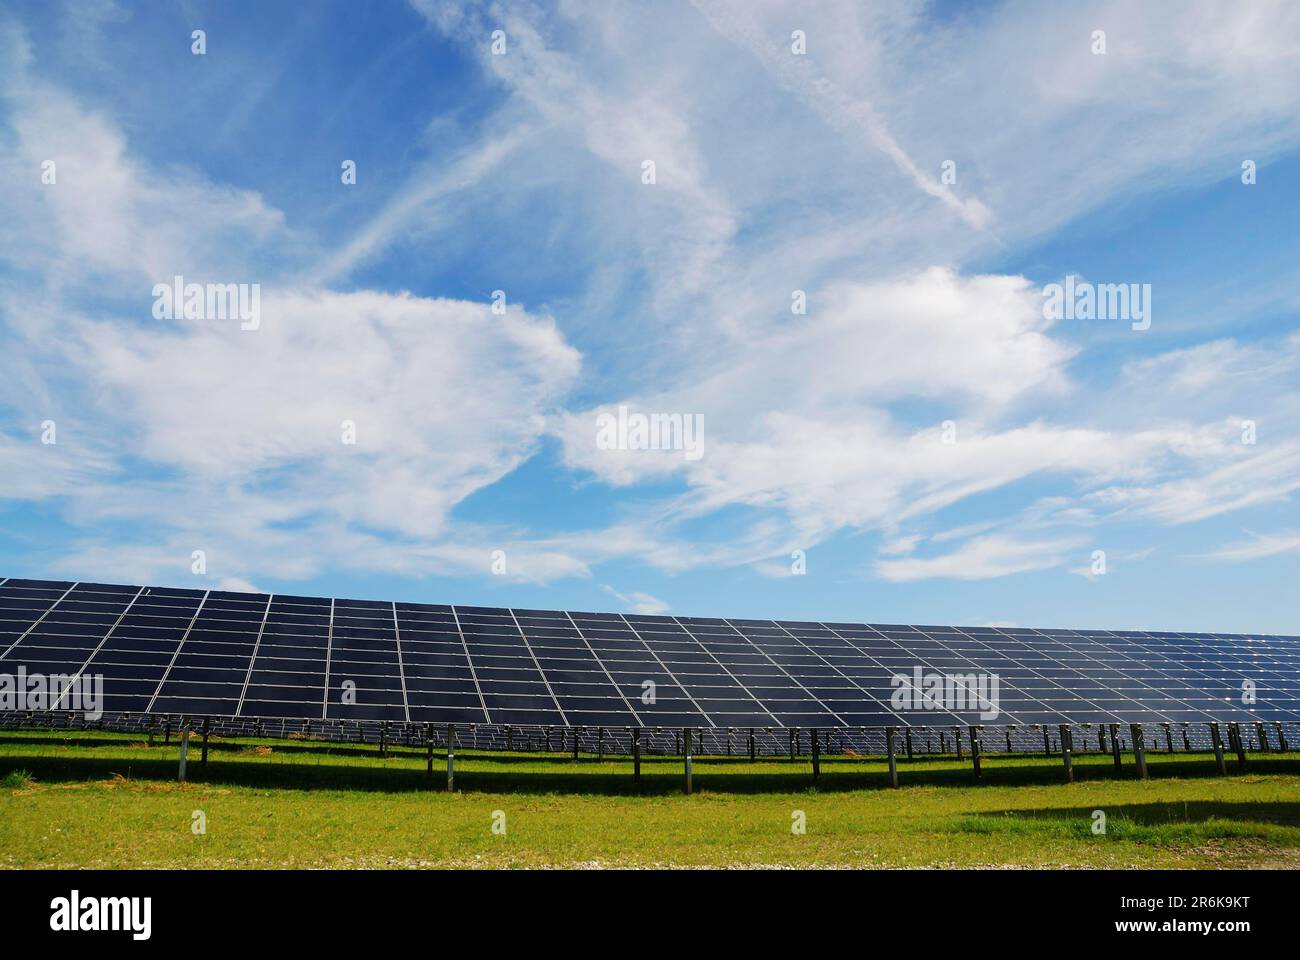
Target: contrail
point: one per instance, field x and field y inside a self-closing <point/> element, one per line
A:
<point x="850" y="117"/>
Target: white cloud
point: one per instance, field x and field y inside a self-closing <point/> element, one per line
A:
<point x="981" y="559"/>
<point x="433" y="183"/>
<point x="853" y="117"/>
<point x="901" y="545"/>
<point x="237" y="585"/>
<point x="232" y="438"/>
<point x="1257" y="546"/>
<point x="446" y="397"/>
<point x="108" y="213"/>
<point x="637" y="602"/>
<point x="773" y="176"/>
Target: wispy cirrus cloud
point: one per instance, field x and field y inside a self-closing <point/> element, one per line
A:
<point x="1257" y="546"/>
<point x="982" y="558"/>
<point x="779" y="176"/>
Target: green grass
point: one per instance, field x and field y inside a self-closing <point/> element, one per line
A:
<point x="103" y="800"/>
<point x="16" y="780"/>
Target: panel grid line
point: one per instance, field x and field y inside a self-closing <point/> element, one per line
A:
<point x="671" y="676"/>
<point x="37" y="622"/>
<point x="1166" y="719"/>
<point x="401" y="667"/>
<point x="788" y="674"/>
<point x="1060" y="665"/>
<point x="617" y="688"/>
<point x="801" y="643"/>
<point x="537" y="664"/>
<point x="177" y="652"/>
<point x="1038" y="701"/>
<point x="723" y="673"/>
<point x="941" y="714"/>
<point x="329" y="652"/>
<point x="99" y="646"/>
<point x="252" y="661"/>
<point x="1024" y="665"/>
<point x="487" y="717"/>
<point x="742" y="687"/>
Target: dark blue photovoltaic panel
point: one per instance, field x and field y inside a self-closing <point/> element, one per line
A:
<point x="223" y="654"/>
<point x="137" y="651"/>
<point x="206" y="671"/>
<point x="286" y="677"/>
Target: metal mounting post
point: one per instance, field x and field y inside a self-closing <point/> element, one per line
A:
<point x="451" y="757"/>
<point x="1235" y="733"/>
<point x="428" y="751"/>
<point x="185" y="749"/>
<point x="1216" y="738"/>
<point x="1139" y="750"/>
<point x="686" y="760"/>
<point x="893" y="761"/>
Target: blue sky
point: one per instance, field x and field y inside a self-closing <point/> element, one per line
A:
<point x="775" y="172"/>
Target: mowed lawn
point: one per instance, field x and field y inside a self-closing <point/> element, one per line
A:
<point x="105" y="800"/>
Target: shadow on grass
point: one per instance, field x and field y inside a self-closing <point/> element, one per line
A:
<point x="310" y="747"/>
<point x="307" y="765"/>
<point x="1191" y="821"/>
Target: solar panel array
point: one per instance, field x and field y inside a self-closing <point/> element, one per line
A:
<point x="222" y="654"/>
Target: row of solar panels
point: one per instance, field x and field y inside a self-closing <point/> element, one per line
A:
<point x="216" y="653"/>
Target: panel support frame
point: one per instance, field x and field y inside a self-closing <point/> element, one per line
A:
<point x="636" y="755"/>
<point x="687" y="786"/>
<point x="1216" y="738"/>
<point x="185" y="749"/>
<point x="893" y="760"/>
<point x="451" y="757"/>
<point x="1139" y="749"/>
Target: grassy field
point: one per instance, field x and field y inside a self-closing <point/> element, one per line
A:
<point x="105" y="800"/>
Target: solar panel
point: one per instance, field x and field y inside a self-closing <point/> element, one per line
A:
<point x="280" y="657"/>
